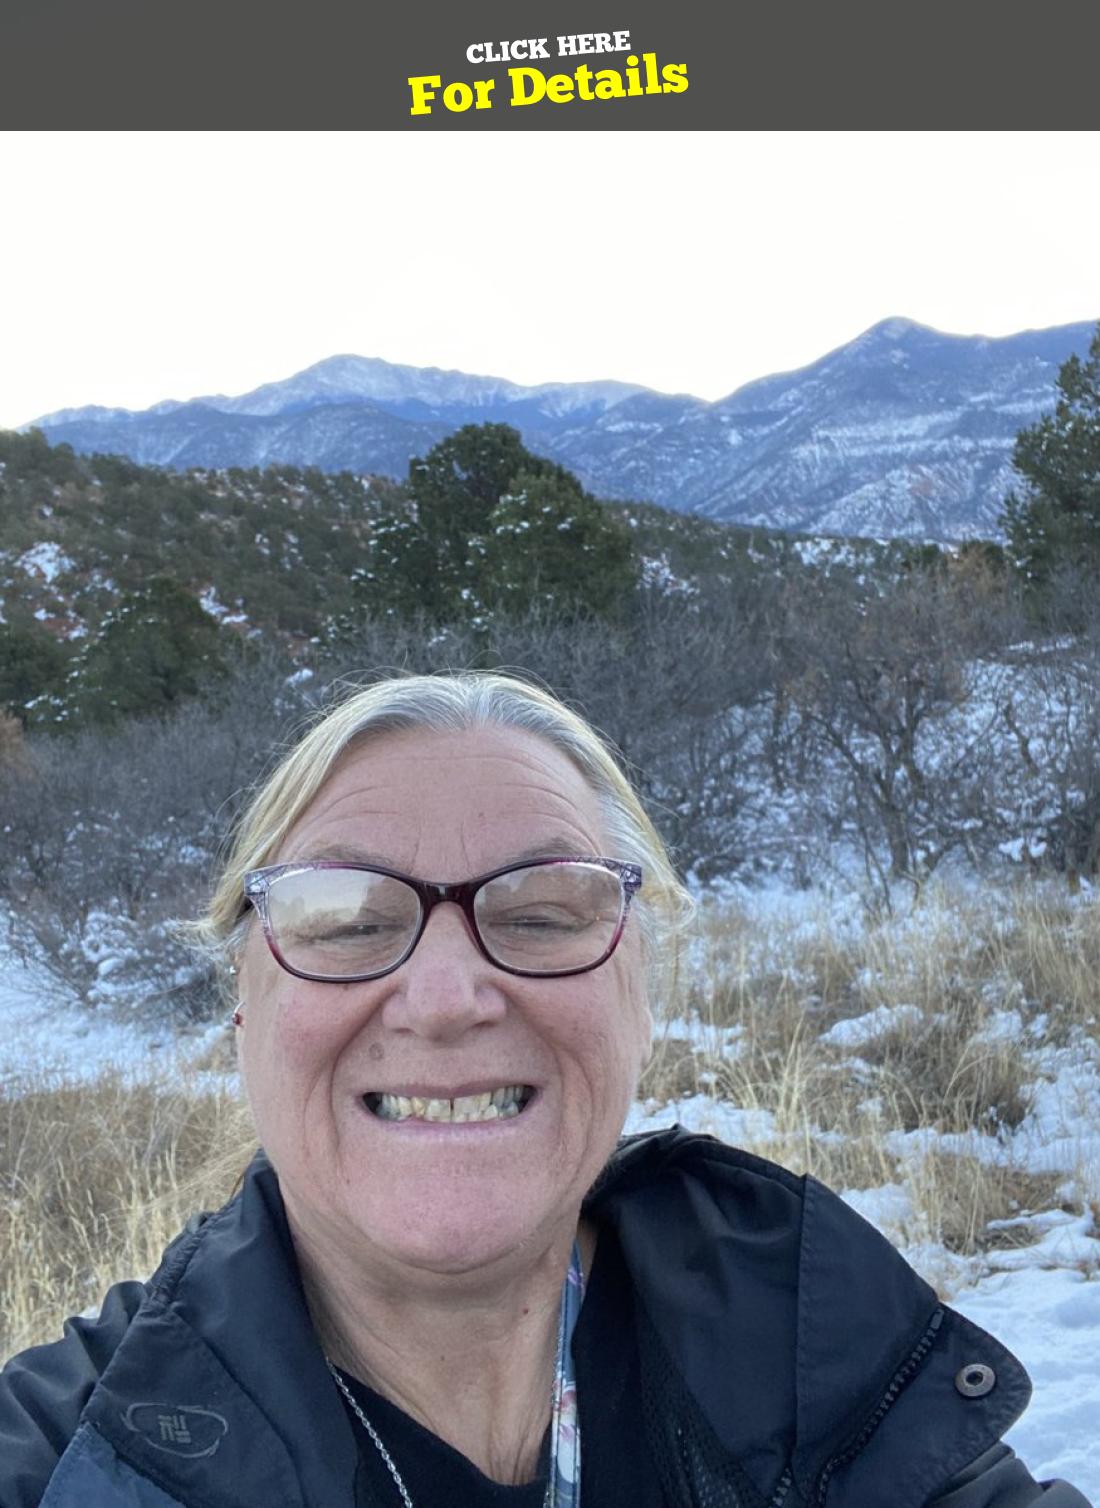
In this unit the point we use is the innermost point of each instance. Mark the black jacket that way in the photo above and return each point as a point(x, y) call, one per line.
point(790, 1357)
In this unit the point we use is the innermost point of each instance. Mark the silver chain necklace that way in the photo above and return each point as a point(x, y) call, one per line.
point(391, 1467)
point(373, 1433)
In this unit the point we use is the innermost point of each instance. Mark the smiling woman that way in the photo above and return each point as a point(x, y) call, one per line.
point(424, 1014)
point(446, 917)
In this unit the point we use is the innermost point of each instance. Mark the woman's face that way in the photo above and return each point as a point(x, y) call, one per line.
point(443, 1197)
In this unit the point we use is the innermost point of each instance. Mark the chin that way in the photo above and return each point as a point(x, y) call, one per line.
point(452, 1248)
point(460, 1230)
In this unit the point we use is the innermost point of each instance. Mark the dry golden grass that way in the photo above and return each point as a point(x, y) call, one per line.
point(95, 1180)
point(967, 1196)
point(763, 995)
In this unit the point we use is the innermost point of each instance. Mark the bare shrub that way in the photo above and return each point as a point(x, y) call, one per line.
point(109, 837)
point(677, 691)
point(877, 682)
point(1054, 723)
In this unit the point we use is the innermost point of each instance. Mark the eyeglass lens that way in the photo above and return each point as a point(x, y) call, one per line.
point(538, 919)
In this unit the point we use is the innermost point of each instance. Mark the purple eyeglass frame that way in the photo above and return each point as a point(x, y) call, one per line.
point(432, 893)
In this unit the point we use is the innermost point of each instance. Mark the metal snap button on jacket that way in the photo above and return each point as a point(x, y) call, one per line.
point(975, 1380)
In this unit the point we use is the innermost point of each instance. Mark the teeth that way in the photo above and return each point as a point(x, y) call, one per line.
point(499, 1104)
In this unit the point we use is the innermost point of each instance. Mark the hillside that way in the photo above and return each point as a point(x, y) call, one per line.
point(273, 550)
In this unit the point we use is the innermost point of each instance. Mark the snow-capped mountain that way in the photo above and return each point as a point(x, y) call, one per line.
point(903, 432)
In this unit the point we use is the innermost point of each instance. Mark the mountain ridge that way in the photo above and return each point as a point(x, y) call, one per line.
point(902, 432)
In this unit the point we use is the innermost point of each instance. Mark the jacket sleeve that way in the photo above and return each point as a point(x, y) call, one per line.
point(998, 1480)
point(43, 1392)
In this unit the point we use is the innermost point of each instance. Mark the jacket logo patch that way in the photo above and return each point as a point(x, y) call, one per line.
point(174, 1427)
point(181, 1429)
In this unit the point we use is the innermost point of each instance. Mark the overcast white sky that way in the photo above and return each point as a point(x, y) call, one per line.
point(141, 266)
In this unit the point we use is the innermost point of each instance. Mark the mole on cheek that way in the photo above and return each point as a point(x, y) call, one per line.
point(376, 1051)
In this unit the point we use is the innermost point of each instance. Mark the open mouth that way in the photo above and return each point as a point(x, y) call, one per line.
point(494, 1105)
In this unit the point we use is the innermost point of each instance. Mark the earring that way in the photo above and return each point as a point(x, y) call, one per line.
point(237, 1017)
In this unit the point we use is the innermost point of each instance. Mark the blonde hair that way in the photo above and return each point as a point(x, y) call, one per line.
point(453, 703)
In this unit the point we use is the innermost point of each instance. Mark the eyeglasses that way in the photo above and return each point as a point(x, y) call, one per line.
point(340, 922)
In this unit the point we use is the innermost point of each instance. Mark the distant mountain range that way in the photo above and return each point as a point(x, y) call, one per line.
point(902, 433)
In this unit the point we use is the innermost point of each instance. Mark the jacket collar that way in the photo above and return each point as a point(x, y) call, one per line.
point(224, 1345)
point(785, 1314)
point(792, 1320)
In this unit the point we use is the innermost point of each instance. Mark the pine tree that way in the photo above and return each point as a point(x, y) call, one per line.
point(32, 665)
point(154, 648)
point(1054, 528)
point(551, 545)
point(488, 525)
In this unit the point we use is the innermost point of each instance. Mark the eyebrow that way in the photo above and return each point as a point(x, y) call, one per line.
point(345, 853)
point(553, 850)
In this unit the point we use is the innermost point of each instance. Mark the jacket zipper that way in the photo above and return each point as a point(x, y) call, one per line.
point(899, 1380)
point(783, 1486)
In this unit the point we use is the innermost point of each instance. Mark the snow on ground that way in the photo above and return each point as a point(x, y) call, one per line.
point(710, 1117)
point(46, 560)
point(45, 1033)
point(857, 1031)
point(1050, 1319)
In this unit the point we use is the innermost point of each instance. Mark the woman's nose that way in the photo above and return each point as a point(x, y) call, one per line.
point(447, 986)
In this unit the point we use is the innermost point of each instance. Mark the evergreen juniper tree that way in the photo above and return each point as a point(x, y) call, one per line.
point(153, 649)
point(1053, 528)
point(489, 523)
point(32, 665)
point(552, 545)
